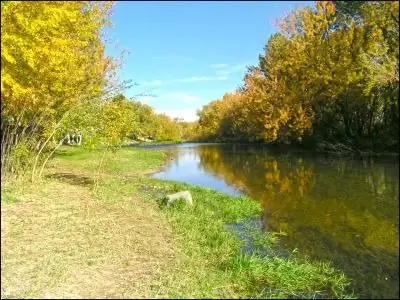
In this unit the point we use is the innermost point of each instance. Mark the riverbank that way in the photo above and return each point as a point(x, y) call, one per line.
point(155, 143)
point(97, 226)
point(324, 148)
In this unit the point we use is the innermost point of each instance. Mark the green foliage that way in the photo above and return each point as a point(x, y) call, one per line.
point(188, 130)
point(167, 129)
point(139, 121)
point(21, 157)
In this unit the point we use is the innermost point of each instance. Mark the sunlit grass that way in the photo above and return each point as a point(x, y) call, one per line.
point(212, 249)
point(124, 162)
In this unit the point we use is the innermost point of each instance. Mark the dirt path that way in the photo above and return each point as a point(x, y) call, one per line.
point(60, 242)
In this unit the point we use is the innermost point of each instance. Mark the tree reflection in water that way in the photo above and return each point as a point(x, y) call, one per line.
point(339, 210)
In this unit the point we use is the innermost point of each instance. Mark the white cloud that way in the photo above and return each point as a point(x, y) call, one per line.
point(201, 78)
point(153, 82)
point(187, 79)
point(232, 69)
point(188, 114)
point(181, 97)
point(219, 66)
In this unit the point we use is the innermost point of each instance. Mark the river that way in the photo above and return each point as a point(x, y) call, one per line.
point(331, 208)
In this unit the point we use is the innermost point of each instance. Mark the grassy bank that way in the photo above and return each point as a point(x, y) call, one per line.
point(97, 227)
point(155, 143)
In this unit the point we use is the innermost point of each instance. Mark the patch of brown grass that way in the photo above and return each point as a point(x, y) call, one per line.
point(60, 242)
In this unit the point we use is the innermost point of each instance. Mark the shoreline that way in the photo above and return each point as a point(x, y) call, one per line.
point(356, 154)
point(253, 243)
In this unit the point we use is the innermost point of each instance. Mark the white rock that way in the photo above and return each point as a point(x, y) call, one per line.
point(185, 195)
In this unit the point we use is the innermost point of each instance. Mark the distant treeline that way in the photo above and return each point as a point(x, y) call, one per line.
point(142, 122)
point(330, 76)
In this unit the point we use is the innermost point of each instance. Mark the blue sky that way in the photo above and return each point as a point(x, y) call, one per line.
point(190, 53)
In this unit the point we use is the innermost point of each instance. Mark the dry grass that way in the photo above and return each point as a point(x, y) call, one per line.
point(59, 242)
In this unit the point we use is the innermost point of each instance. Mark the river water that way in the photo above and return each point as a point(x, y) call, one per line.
point(341, 210)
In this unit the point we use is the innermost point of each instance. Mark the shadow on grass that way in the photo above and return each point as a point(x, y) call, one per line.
point(69, 152)
point(72, 178)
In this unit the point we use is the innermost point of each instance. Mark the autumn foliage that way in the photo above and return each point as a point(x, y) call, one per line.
point(330, 75)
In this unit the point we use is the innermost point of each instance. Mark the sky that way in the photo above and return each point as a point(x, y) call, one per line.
point(185, 54)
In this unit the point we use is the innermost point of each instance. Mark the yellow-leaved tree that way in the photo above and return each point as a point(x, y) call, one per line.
point(53, 64)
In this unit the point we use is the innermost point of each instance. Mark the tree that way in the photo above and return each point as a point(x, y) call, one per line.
point(331, 74)
point(52, 61)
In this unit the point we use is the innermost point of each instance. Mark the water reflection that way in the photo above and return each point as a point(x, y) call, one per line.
point(341, 210)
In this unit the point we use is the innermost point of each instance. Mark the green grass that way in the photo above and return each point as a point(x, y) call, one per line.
point(209, 261)
point(215, 253)
point(124, 161)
